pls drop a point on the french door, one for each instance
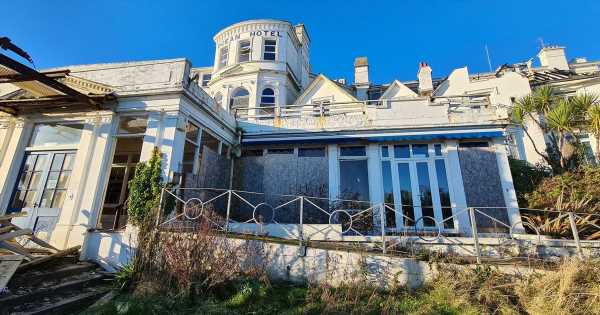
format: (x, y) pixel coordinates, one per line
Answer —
(42, 189)
(421, 195)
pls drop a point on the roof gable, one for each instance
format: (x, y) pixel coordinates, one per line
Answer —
(322, 87)
(397, 89)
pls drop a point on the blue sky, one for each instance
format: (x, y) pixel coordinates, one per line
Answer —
(395, 35)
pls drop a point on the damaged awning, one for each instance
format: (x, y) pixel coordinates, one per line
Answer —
(374, 137)
(47, 91)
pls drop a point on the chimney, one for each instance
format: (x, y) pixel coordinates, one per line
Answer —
(553, 57)
(302, 34)
(361, 71)
(425, 82)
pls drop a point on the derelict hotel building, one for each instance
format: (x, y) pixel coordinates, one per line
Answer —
(257, 120)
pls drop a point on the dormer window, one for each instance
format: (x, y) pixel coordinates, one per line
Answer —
(223, 56)
(269, 49)
(244, 54)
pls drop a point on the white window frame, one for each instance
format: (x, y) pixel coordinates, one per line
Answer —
(223, 56)
(264, 51)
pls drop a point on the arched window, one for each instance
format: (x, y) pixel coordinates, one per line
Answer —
(239, 101)
(218, 99)
(267, 100)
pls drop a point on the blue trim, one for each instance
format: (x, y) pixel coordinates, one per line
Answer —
(390, 138)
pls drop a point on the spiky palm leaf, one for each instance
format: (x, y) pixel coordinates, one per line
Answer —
(543, 97)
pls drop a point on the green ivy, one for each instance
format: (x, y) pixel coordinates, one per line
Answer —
(145, 189)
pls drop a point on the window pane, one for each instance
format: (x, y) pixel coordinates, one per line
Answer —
(56, 134)
(402, 151)
(388, 193)
(63, 179)
(244, 53)
(47, 198)
(191, 132)
(252, 152)
(69, 159)
(420, 150)
(57, 162)
(425, 191)
(440, 171)
(52, 180)
(438, 149)
(354, 180)
(406, 194)
(280, 151)
(59, 198)
(353, 151)
(385, 151)
(311, 152)
(133, 124)
(115, 183)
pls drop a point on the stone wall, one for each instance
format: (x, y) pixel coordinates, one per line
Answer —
(482, 184)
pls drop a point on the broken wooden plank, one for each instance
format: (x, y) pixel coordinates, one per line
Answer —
(11, 235)
(8, 266)
(17, 249)
(9, 216)
(6, 229)
(41, 260)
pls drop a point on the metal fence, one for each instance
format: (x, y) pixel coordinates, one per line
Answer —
(475, 232)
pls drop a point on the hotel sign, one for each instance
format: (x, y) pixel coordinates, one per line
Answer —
(251, 34)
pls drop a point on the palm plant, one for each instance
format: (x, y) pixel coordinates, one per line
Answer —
(594, 126)
(559, 118)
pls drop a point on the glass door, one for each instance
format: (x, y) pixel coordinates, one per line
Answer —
(415, 182)
(41, 190)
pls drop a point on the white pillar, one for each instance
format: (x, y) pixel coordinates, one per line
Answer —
(334, 172)
(375, 180)
(13, 157)
(508, 189)
(171, 143)
(457, 189)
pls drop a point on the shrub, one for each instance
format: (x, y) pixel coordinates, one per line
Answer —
(145, 189)
(526, 177)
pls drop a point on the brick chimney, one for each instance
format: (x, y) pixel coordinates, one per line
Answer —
(425, 81)
(361, 71)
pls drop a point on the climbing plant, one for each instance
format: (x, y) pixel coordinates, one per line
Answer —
(145, 189)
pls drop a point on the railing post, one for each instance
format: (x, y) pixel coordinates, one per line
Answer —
(575, 234)
(475, 236)
(382, 219)
(301, 226)
(228, 211)
(160, 206)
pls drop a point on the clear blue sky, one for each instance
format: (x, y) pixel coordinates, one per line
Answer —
(395, 35)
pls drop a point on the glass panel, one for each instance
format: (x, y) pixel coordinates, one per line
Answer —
(63, 180)
(55, 134)
(438, 149)
(191, 132)
(440, 171)
(69, 159)
(425, 193)
(406, 194)
(420, 150)
(353, 151)
(30, 199)
(388, 193)
(52, 179)
(402, 151)
(59, 198)
(384, 151)
(29, 162)
(19, 200)
(208, 141)
(24, 180)
(354, 180)
(40, 163)
(133, 124)
(46, 198)
(115, 183)
(57, 162)
(35, 180)
(311, 152)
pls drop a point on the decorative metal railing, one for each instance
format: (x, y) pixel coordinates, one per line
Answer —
(324, 109)
(479, 232)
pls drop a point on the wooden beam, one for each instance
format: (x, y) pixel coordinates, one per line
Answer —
(61, 253)
(9, 216)
(25, 70)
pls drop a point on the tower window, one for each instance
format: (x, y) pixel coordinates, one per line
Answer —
(239, 99)
(267, 101)
(269, 49)
(205, 79)
(244, 54)
(223, 56)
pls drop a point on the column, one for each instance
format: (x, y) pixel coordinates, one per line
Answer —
(508, 190)
(375, 181)
(334, 171)
(457, 189)
(13, 157)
